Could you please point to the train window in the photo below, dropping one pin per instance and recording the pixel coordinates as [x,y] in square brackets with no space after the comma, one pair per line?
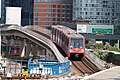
[56,35]
[60,38]
[53,33]
[76,43]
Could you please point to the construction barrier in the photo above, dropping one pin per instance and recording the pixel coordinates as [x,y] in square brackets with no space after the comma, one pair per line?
[47,67]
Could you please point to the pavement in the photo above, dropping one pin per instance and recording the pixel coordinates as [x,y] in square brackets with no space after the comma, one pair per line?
[108,74]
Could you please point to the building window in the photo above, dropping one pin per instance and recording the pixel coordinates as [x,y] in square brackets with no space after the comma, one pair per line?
[36,19]
[58,19]
[54,6]
[54,10]
[63,19]
[36,23]
[58,10]
[63,6]
[53,23]
[58,6]
[93,5]
[36,10]
[36,15]
[58,15]
[54,19]
[98,13]
[63,11]
[36,5]
[63,15]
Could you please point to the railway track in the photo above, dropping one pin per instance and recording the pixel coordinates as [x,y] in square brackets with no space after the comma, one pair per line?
[83,67]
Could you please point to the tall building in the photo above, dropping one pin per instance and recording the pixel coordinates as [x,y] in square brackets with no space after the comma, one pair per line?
[50,12]
[115,11]
[4,3]
[26,13]
[97,11]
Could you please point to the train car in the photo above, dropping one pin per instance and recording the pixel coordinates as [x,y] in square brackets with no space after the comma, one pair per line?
[72,43]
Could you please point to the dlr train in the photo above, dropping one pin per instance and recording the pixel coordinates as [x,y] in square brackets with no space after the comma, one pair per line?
[72,43]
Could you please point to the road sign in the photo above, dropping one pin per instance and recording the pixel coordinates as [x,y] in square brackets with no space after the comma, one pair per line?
[102,31]
[100,34]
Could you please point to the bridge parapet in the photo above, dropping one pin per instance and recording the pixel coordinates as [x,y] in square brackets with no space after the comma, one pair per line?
[98,62]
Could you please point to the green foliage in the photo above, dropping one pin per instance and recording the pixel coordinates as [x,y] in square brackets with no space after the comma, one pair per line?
[113,49]
[98,46]
[104,55]
[105,47]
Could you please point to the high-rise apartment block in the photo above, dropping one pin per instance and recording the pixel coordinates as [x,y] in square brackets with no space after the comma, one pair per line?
[97,11]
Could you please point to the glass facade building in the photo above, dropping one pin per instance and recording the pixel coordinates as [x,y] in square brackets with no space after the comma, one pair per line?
[97,11]
[4,3]
[27,10]
[50,12]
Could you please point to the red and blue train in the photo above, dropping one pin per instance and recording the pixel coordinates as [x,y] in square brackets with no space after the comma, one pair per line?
[72,43]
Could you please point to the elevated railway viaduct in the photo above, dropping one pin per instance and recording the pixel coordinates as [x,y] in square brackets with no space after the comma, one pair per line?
[28,35]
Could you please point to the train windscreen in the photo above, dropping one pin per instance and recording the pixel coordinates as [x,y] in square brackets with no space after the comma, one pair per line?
[76,43]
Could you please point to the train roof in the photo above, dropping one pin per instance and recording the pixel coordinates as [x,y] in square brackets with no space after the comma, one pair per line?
[67,31]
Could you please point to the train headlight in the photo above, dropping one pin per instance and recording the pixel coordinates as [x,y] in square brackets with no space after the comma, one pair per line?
[71,46]
[70,50]
[82,50]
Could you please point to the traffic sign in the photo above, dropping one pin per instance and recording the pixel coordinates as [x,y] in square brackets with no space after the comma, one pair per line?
[100,34]
[102,31]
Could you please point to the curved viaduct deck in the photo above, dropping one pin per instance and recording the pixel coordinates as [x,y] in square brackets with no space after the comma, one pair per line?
[37,37]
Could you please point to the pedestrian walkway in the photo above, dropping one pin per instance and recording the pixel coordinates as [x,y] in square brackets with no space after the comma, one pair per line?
[108,74]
